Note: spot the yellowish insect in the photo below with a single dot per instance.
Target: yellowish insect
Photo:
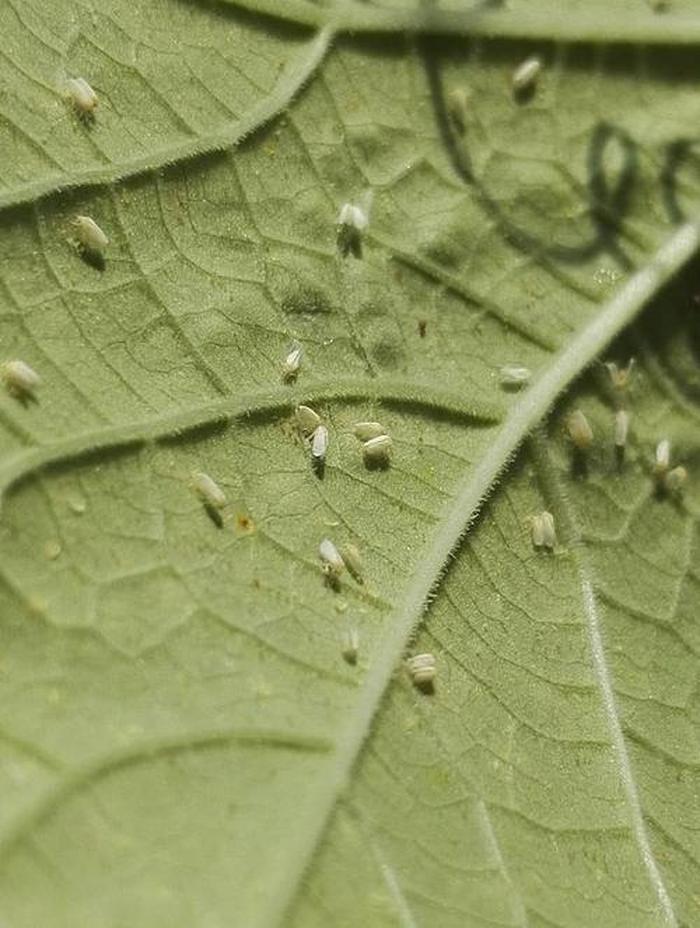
(526, 75)
(90, 236)
(332, 564)
(82, 96)
(622, 425)
(676, 479)
(580, 432)
(350, 645)
(543, 531)
(422, 669)
(353, 561)
(368, 430)
(19, 378)
(308, 420)
(292, 362)
(377, 450)
(513, 375)
(458, 103)
(620, 376)
(208, 490)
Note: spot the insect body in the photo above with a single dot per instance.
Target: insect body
(308, 419)
(513, 375)
(332, 564)
(662, 458)
(353, 561)
(620, 376)
(377, 451)
(676, 479)
(350, 645)
(525, 76)
(19, 378)
(82, 96)
(208, 490)
(365, 431)
(543, 532)
(580, 432)
(90, 236)
(458, 107)
(622, 424)
(292, 363)
(352, 223)
(319, 445)
(422, 670)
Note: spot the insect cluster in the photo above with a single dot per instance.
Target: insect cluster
(668, 480)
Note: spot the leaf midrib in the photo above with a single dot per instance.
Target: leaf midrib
(457, 517)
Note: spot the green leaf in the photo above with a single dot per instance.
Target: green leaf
(181, 740)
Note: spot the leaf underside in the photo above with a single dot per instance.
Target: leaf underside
(181, 741)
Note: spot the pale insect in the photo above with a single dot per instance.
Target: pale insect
(526, 75)
(292, 362)
(90, 236)
(458, 100)
(620, 376)
(19, 378)
(353, 220)
(350, 645)
(308, 419)
(543, 532)
(367, 430)
(622, 425)
(353, 561)
(513, 375)
(208, 490)
(580, 432)
(422, 670)
(662, 457)
(82, 96)
(377, 450)
(332, 564)
(319, 444)
(676, 479)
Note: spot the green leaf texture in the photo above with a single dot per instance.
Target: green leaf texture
(181, 741)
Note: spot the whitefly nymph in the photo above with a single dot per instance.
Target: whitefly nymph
(543, 531)
(292, 361)
(458, 104)
(526, 75)
(377, 450)
(208, 490)
(365, 431)
(82, 96)
(332, 564)
(579, 429)
(308, 420)
(353, 561)
(19, 378)
(89, 235)
(676, 479)
(422, 669)
(515, 375)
